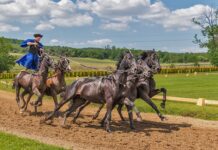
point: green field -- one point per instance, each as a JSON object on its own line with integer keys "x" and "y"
{"x": 201, "y": 85}
{"x": 193, "y": 86}
{"x": 181, "y": 109}
{"x": 76, "y": 63}
{"x": 11, "y": 142}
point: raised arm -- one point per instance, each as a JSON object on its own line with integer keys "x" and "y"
{"x": 28, "y": 42}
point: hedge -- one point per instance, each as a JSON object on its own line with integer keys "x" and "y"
{"x": 104, "y": 73}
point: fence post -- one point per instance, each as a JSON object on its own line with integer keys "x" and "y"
{"x": 201, "y": 102}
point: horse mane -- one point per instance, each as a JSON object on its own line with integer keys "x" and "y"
{"x": 121, "y": 58}
{"x": 145, "y": 54}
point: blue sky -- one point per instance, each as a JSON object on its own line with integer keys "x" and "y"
{"x": 139, "y": 24}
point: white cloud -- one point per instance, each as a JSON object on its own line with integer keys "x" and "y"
{"x": 193, "y": 49}
{"x": 8, "y": 28}
{"x": 44, "y": 26}
{"x": 126, "y": 11}
{"x": 71, "y": 21}
{"x": 180, "y": 19}
{"x": 63, "y": 13}
{"x": 48, "y": 14}
{"x": 99, "y": 42}
{"x": 6, "y": 1}
{"x": 92, "y": 43}
{"x": 54, "y": 42}
{"x": 114, "y": 26}
{"x": 114, "y": 8}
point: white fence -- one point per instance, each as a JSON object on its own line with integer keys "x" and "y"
{"x": 199, "y": 101}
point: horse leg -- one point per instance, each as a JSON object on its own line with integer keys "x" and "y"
{"x": 103, "y": 120}
{"x": 147, "y": 99}
{"x": 109, "y": 106}
{"x": 54, "y": 96}
{"x": 157, "y": 91}
{"x": 80, "y": 109}
{"x": 119, "y": 109}
{"x": 27, "y": 102}
{"x": 139, "y": 117}
{"x": 51, "y": 115}
{"x": 98, "y": 111}
{"x": 23, "y": 99}
{"x": 18, "y": 94}
{"x": 77, "y": 103}
{"x": 38, "y": 102}
{"x": 129, "y": 109}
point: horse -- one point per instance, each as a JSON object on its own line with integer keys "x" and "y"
{"x": 145, "y": 87}
{"x": 143, "y": 71}
{"x": 33, "y": 83}
{"x": 55, "y": 84}
{"x": 98, "y": 90}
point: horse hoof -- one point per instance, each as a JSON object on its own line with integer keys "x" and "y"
{"x": 74, "y": 121}
{"x": 49, "y": 122}
{"x": 65, "y": 126}
{"x": 163, "y": 118}
{"x": 108, "y": 130}
{"x": 42, "y": 121}
{"x": 102, "y": 124}
{"x": 162, "y": 106}
{"x": 132, "y": 127}
{"x": 139, "y": 119}
{"x": 93, "y": 118}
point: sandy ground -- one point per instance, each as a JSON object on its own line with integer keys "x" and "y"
{"x": 175, "y": 133}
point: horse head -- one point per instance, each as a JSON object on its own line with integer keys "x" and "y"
{"x": 46, "y": 61}
{"x": 127, "y": 61}
{"x": 63, "y": 64}
{"x": 152, "y": 60}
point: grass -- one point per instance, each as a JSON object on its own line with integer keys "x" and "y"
{"x": 193, "y": 86}
{"x": 182, "y": 109}
{"x": 104, "y": 64}
{"x": 11, "y": 142}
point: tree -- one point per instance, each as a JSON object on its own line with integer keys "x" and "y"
{"x": 209, "y": 29}
{"x": 6, "y": 60}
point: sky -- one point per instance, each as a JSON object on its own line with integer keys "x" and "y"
{"x": 140, "y": 24}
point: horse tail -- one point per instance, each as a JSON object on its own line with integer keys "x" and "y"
{"x": 15, "y": 81}
{"x": 71, "y": 90}
{"x": 14, "y": 84}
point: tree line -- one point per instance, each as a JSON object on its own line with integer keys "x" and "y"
{"x": 112, "y": 53}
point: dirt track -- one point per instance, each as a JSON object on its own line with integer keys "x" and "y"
{"x": 175, "y": 133}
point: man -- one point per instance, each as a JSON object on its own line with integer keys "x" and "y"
{"x": 31, "y": 59}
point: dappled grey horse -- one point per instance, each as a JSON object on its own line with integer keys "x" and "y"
{"x": 99, "y": 90}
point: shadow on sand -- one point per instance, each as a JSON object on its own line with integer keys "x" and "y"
{"x": 123, "y": 126}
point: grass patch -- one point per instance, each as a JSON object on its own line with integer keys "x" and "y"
{"x": 182, "y": 109}
{"x": 12, "y": 142}
{"x": 199, "y": 86}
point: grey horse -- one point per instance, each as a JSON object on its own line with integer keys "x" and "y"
{"x": 99, "y": 90}
{"x": 145, "y": 87}
{"x": 130, "y": 92}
